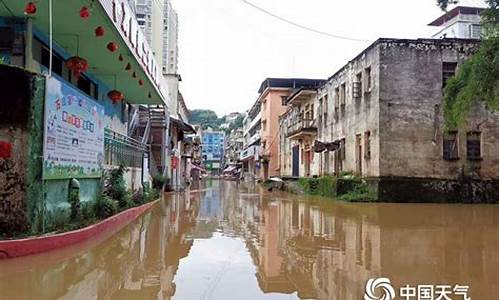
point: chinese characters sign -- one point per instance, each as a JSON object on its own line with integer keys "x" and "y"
{"x": 73, "y": 133}
{"x": 381, "y": 289}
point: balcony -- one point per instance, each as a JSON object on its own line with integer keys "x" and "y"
{"x": 252, "y": 124}
{"x": 301, "y": 128}
{"x": 251, "y": 152}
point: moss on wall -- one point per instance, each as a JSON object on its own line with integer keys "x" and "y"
{"x": 34, "y": 184}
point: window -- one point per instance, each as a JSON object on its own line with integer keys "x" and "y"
{"x": 473, "y": 145}
{"x": 342, "y": 149}
{"x": 450, "y": 146}
{"x": 356, "y": 87}
{"x": 475, "y": 31}
{"x": 342, "y": 99}
{"x": 367, "y": 145}
{"x": 368, "y": 80}
{"x": 325, "y": 111}
{"x": 320, "y": 114}
{"x": 448, "y": 71}
{"x": 337, "y": 103}
{"x": 283, "y": 100}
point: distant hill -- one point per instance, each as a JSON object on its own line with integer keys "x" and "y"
{"x": 208, "y": 118}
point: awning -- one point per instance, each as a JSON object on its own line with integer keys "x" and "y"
{"x": 77, "y": 37}
{"x": 182, "y": 125}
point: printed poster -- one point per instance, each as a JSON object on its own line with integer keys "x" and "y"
{"x": 73, "y": 133}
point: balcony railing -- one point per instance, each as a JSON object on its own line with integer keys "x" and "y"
{"x": 122, "y": 150}
{"x": 301, "y": 126}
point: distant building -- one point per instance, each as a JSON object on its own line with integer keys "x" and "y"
{"x": 233, "y": 144}
{"x": 212, "y": 149}
{"x": 460, "y": 22}
{"x": 249, "y": 155}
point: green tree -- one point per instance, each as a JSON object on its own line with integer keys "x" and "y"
{"x": 476, "y": 80}
{"x": 206, "y": 118}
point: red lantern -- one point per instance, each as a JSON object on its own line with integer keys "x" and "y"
{"x": 112, "y": 46}
{"x": 99, "y": 31}
{"x": 77, "y": 65}
{"x": 120, "y": 57}
{"x": 128, "y": 67}
{"x": 84, "y": 12}
{"x": 115, "y": 96}
{"x": 30, "y": 8}
{"x": 141, "y": 82}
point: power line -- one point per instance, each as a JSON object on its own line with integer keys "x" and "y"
{"x": 336, "y": 36}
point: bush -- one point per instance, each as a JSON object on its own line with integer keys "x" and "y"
{"x": 323, "y": 186}
{"x": 149, "y": 193}
{"x": 159, "y": 181}
{"x": 356, "y": 190}
{"x": 115, "y": 187}
{"x": 105, "y": 207}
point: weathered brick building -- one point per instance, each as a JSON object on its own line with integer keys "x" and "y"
{"x": 382, "y": 117}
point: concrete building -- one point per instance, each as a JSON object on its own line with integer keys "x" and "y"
{"x": 212, "y": 148}
{"x": 71, "y": 122}
{"x": 249, "y": 155}
{"x": 233, "y": 145}
{"x": 382, "y": 118}
{"x": 461, "y": 22}
{"x": 298, "y": 130}
{"x": 273, "y": 93}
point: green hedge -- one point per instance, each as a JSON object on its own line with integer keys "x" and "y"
{"x": 345, "y": 188}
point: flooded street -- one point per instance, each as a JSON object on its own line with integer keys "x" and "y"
{"x": 240, "y": 242}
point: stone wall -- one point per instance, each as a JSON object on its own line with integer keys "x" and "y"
{"x": 411, "y": 132}
{"x": 14, "y": 117}
{"x": 360, "y": 114}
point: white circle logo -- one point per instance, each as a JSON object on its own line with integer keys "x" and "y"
{"x": 383, "y": 284}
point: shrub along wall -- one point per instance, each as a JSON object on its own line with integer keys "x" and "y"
{"x": 346, "y": 188}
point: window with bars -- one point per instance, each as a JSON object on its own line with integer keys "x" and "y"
{"x": 450, "y": 146}
{"x": 473, "y": 145}
{"x": 449, "y": 69}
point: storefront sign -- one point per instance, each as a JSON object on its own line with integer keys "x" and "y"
{"x": 73, "y": 133}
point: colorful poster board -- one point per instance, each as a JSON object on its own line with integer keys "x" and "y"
{"x": 73, "y": 144}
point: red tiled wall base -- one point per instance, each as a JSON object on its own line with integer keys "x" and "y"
{"x": 34, "y": 245}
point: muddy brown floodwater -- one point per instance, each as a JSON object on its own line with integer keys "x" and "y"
{"x": 225, "y": 241}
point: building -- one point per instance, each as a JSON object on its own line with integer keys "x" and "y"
{"x": 212, "y": 148}
{"x": 249, "y": 155}
{"x": 461, "y": 22}
{"x": 233, "y": 144}
{"x": 75, "y": 96}
{"x": 273, "y": 93}
{"x": 180, "y": 146}
{"x": 381, "y": 117}
{"x": 298, "y": 131}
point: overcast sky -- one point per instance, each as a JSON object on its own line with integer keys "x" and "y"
{"x": 227, "y": 48}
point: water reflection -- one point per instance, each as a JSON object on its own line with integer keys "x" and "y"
{"x": 226, "y": 241}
